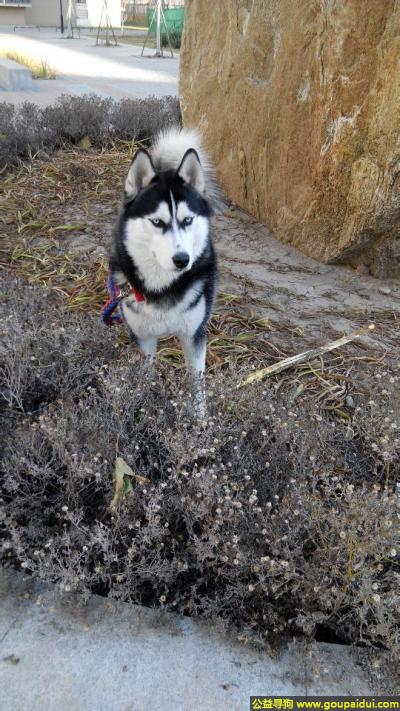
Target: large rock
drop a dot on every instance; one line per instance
(300, 105)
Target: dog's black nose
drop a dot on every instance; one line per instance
(181, 260)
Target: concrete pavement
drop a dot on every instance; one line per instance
(84, 68)
(110, 656)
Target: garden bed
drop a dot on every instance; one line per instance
(277, 516)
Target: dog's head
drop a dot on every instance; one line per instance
(165, 217)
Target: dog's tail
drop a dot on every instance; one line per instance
(168, 150)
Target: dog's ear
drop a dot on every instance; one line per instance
(191, 172)
(140, 173)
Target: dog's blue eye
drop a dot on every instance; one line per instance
(157, 223)
(188, 220)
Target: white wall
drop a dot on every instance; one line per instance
(94, 12)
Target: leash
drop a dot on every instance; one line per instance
(116, 294)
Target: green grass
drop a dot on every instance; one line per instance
(139, 24)
(40, 68)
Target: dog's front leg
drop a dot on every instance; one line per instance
(148, 346)
(194, 349)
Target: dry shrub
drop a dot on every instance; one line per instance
(28, 129)
(271, 516)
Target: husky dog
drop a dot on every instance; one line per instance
(163, 259)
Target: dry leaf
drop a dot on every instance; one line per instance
(85, 143)
(122, 476)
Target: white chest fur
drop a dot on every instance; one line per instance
(146, 319)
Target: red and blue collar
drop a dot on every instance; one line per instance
(117, 292)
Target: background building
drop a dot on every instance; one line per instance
(13, 12)
(46, 13)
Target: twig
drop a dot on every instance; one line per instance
(306, 355)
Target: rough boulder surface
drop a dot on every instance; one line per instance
(300, 106)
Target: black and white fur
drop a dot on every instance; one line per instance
(163, 245)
